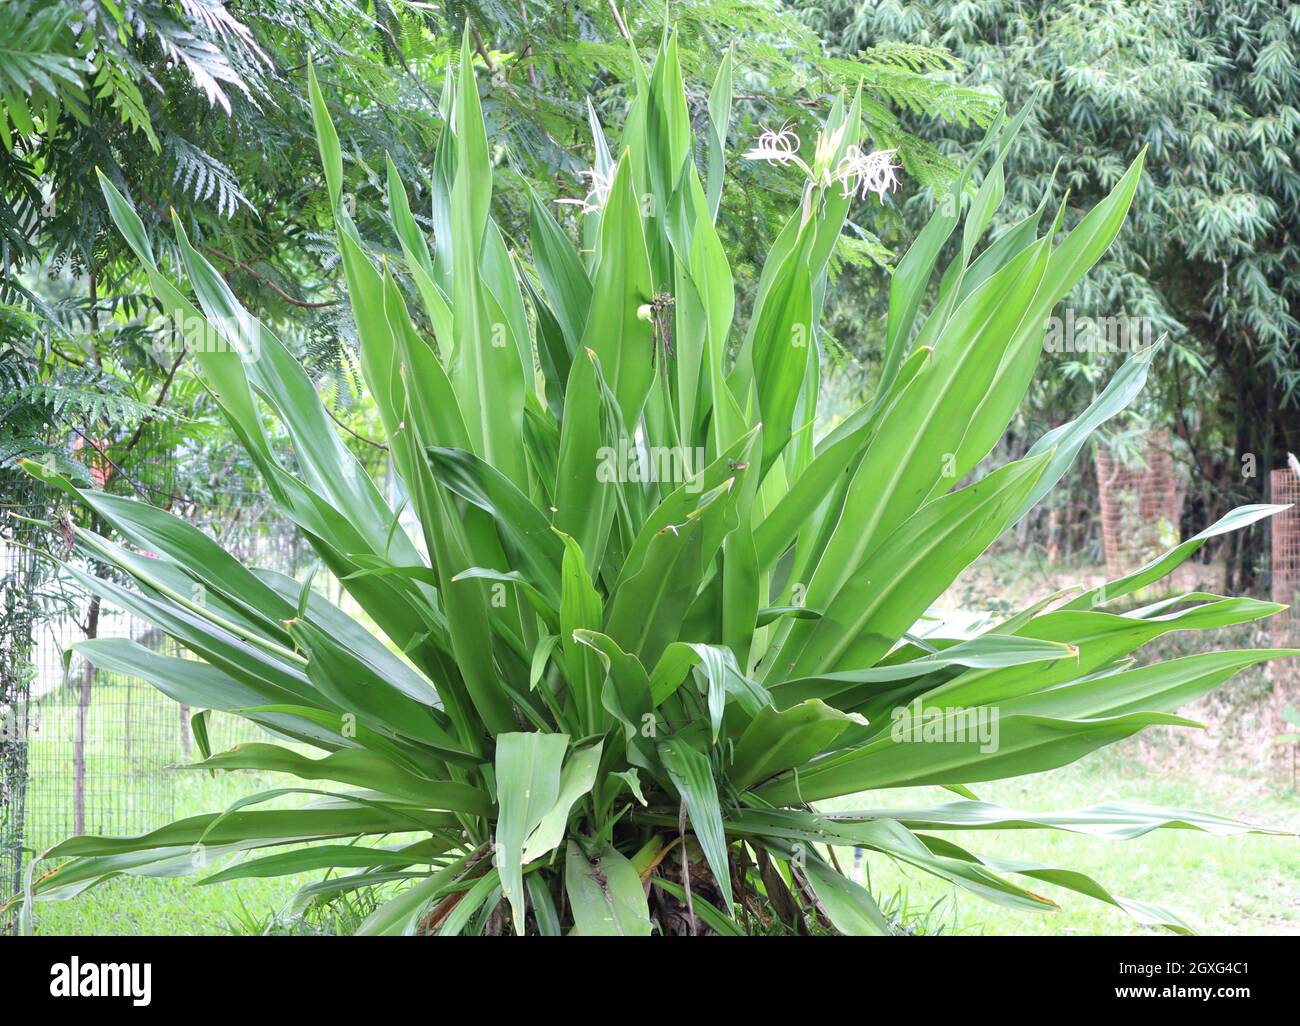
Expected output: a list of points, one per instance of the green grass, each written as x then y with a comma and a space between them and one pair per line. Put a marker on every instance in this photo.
1232, 885
1220, 885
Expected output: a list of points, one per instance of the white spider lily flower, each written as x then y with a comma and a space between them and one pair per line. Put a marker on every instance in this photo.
777, 147
596, 195
869, 172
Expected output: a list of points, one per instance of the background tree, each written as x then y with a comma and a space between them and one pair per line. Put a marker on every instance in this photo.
1209, 252
189, 104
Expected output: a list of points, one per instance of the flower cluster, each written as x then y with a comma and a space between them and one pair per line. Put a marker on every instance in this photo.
856, 172
867, 172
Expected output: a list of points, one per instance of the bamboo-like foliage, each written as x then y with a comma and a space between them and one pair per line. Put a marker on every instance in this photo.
650, 619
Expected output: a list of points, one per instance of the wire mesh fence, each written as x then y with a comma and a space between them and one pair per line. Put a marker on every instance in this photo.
84, 750
1141, 503
99, 744
1286, 554
19, 588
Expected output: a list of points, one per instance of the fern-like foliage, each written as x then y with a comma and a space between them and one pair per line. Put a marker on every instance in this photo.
39, 75
205, 178
49, 398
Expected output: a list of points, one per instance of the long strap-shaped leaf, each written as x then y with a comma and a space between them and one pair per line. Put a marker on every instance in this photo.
1025, 744
1119, 821
908, 572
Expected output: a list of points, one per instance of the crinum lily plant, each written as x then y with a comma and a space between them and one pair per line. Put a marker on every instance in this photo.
598, 695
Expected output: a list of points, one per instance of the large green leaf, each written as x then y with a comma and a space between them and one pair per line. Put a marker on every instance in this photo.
851, 908
528, 768
617, 330
912, 568
277, 825
364, 769
1113, 820
576, 780
1163, 565
776, 741
606, 894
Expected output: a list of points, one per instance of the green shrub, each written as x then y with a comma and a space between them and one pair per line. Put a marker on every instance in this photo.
650, 618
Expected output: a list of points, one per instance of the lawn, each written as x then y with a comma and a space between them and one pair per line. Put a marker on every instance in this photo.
1219, 885
1233, 885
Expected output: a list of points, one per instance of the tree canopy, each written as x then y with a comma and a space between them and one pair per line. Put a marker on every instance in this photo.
1209, 252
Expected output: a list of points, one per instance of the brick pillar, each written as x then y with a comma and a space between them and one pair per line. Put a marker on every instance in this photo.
1286, 589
